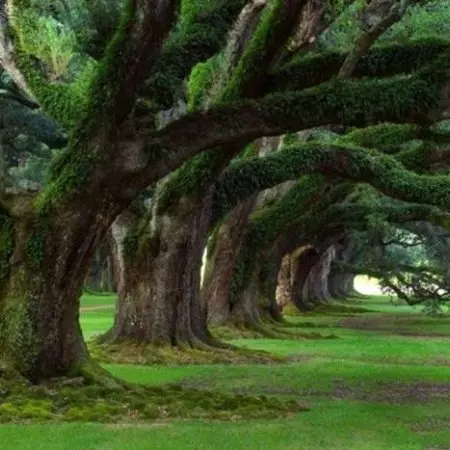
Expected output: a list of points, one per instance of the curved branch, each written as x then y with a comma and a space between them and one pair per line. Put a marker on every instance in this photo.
357, 164
128, 61
198, 38
355, 103
313, 68
7, 60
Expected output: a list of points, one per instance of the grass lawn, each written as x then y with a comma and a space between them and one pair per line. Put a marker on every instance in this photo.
381, 382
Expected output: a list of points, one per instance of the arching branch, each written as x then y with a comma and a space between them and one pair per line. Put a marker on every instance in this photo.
355, 103
357, 164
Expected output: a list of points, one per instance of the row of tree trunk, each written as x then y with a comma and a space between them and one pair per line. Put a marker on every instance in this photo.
163, 301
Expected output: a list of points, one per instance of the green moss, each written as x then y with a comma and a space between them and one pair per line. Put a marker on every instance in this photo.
36, 243
312, 68
17, 334
128, 352
191, 178
381, 136
65, 102
200, 82
6, 245
254, 59
201, 33
339, 101
68, 176
57, 402
266, 225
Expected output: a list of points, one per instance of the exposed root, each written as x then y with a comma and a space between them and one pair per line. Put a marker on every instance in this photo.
128, 352
344, 308
288, 331
80, 399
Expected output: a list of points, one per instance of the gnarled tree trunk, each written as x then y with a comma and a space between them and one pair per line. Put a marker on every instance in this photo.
159, 298
220, 263
44, 264
301, 268
254, 308
315, 290
340, 284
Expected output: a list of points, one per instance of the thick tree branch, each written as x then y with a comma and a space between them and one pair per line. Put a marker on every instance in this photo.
128, 62
276, 27
355, 103
198, 38
7, 61
314, 68
357, 164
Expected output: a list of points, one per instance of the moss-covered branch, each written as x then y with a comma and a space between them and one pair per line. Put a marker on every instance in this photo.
403, 99
244, 77
291, 224
277, 25
313, 68
201, 33
128, 60
358, 164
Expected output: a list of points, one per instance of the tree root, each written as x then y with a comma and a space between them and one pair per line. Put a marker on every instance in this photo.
262, 330
80, 399
129, 352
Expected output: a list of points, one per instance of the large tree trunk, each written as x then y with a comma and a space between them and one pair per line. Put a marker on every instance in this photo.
315, 290
100, 277
254, 308
284, 292
301, 267
44, 264
220, 263
159, 298
340, 284
257, 304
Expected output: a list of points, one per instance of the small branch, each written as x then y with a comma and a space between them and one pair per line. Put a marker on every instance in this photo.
7, 61
19, 202
363, 44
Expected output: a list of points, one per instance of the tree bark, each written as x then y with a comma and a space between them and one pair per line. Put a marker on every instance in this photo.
159, 298
315, 290
100, 277
219, 264
301, 268
284, 293
340, 284
254, 308
43, 270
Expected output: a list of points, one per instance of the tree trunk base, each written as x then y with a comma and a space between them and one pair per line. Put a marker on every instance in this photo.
96, 396
263, 330
134, 352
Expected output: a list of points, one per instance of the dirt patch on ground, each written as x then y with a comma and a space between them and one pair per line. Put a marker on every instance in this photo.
396, 394
403, 325
121, 425
430, 424
384, 393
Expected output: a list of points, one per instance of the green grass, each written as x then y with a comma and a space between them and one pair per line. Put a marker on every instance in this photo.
98, 299
335, 426
366, 389
96, 321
